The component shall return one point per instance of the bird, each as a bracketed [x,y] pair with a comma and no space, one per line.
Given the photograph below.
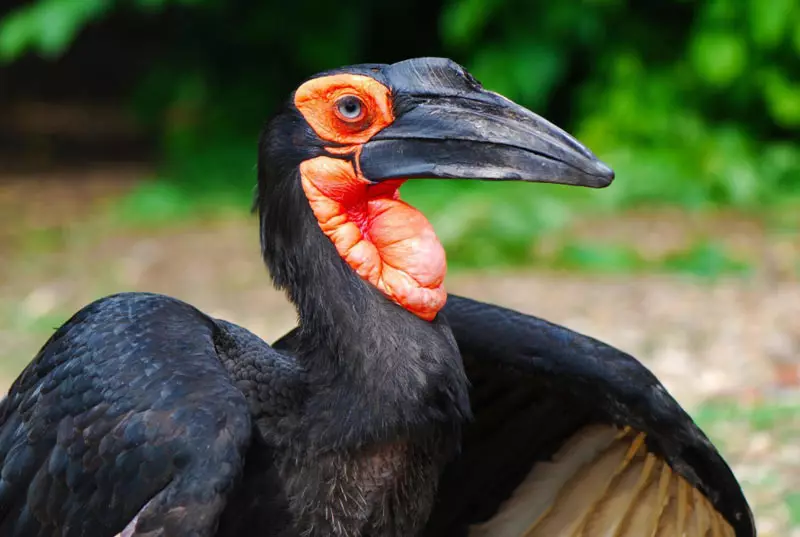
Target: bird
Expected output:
[394,408]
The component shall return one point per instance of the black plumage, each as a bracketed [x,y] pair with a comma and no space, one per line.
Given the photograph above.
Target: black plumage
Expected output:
[143,416]
[535,383]
[126,399]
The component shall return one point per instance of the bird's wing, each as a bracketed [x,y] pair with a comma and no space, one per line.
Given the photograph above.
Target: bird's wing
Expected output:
[572,437]
[126,422]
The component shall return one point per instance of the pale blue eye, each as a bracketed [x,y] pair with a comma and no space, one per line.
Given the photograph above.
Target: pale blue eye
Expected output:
[349,107]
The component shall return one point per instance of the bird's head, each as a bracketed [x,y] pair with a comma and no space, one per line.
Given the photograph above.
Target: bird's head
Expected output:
[347,139]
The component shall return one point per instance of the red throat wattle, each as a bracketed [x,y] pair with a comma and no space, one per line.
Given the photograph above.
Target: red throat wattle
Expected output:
[386,241]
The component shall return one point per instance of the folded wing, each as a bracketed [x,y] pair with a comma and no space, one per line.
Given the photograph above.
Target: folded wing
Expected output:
[125,423]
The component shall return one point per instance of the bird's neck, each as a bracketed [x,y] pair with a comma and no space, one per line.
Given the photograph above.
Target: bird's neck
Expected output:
[391,368]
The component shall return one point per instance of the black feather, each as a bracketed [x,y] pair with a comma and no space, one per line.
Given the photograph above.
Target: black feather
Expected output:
[534,385]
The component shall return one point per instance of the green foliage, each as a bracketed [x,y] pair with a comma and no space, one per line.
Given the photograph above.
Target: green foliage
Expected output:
[486,224]
[770,415]
[694,103]
[48,26]
[702,259]
[793,503]
[705,259]
[206,183]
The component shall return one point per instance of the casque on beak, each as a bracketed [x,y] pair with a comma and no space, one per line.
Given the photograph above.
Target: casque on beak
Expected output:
[472,133]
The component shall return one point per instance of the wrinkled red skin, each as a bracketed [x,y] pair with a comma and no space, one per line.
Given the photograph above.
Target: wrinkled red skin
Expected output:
[386,241]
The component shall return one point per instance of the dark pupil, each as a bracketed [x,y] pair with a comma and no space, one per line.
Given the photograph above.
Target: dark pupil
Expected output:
[350,107]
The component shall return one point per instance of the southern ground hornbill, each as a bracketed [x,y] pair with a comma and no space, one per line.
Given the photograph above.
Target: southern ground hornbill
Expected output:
[393,409]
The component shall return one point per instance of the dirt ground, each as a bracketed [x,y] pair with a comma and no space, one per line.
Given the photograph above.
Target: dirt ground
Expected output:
[728,350]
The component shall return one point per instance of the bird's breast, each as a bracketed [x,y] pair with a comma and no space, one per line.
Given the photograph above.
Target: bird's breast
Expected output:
[381,489]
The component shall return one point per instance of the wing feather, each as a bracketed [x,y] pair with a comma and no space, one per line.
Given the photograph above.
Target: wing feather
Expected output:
[668,523]
[604,483]
[588,486]
[572,437]
[640,519]
[127,411]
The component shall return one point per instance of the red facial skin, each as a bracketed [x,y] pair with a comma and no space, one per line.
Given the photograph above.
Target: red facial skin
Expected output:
[386,241]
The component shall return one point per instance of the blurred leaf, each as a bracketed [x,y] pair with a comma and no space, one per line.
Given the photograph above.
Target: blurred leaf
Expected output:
[599,258]
[718,57]
[728,163]
[783,98]
[155,202]
[796,35]
[527,73]
[461,20]
[761,416]
[47,25]
[793,504]
[705,259]
[770,20]
[780,164]
[721,10]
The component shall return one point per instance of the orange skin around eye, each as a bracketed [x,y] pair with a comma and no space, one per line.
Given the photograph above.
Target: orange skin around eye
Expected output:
[316,100]
[386,241]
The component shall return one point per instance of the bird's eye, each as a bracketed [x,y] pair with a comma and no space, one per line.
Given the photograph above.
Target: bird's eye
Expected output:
[350,108]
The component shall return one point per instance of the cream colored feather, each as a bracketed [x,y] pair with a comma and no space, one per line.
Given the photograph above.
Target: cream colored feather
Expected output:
[604,483]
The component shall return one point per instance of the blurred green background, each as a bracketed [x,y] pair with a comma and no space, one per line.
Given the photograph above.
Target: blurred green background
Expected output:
[695,103]
[128,149]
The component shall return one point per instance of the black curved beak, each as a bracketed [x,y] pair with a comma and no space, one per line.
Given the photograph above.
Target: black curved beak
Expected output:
[477,135]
